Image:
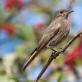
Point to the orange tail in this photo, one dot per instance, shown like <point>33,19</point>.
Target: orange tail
<point>34,54</point>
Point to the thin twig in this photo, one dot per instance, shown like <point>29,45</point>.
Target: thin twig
<point>71,41</point>
<point>55,54</point>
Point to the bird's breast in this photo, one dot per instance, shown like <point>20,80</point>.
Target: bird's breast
<point>61,35</point>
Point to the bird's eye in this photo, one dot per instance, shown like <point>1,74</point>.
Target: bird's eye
<point>61,12</point>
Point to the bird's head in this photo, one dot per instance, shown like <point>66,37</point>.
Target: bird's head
<point>63,13</point>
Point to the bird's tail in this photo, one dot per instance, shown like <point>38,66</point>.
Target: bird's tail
<point>34,54</point>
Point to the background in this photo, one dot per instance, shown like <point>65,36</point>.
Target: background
<point>21,25</point>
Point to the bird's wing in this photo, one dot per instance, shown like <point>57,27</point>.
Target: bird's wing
<point>61,35</point>
<point>49,33</point>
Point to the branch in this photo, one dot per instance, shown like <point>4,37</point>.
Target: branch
<point>55,54</point>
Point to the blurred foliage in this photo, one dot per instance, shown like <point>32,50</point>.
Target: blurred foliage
<point>2,15</point>
<point>24,31</point>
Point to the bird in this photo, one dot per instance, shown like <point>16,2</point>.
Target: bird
<point>54,34</point>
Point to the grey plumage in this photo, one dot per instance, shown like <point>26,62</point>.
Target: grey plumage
<point>59,29</point>
<point>55,33</point>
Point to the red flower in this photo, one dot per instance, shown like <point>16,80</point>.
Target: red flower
<point>10,28</point>
<point>11,4</point>
<point>75,54</point>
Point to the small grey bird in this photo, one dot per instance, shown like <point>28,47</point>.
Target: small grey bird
<point>56,32</point>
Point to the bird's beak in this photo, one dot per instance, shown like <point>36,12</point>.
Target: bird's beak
<point>70,11</point>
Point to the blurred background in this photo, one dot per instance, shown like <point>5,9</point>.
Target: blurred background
<point>21,25</point>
